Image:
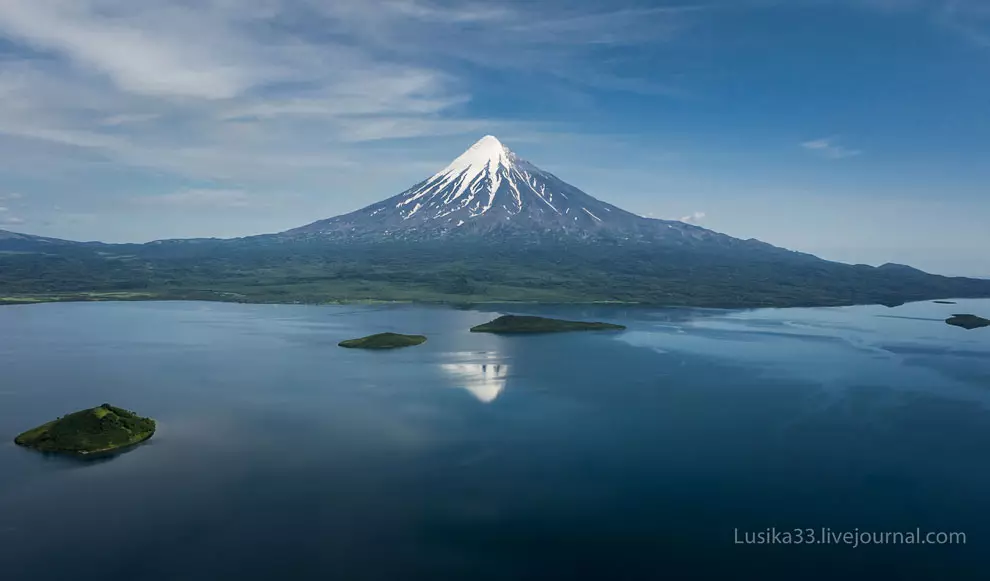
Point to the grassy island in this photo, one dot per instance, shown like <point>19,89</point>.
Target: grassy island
<point>520,324</point>
<point>968,321</point>
<point>384,341</point>
<point>101,429</point>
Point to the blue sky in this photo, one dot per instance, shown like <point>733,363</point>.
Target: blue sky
<point>857,130</point>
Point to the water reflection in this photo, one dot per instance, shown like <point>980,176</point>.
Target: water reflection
<point>484,380</point>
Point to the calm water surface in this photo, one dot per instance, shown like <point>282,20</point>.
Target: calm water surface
<point>634,455</point>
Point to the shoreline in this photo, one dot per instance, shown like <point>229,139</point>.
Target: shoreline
<point>86,453</point>
<point>93,297</point>
<point>120,448</point>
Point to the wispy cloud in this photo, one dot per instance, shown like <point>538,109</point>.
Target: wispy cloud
<point>830,148</point>
<point>199,198</point>
<point>263,89</point>
<point>468,13</point>
<point>11,196</point>
<point>693,218</point>
<point>968,18</point>
<point>11,221</point>
<point>158,49</point>
<point>116,120</point>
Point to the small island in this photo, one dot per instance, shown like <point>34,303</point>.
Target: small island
<point>384,341</point>
<point>944,302</point>
<point>519,324</point>
<point>969,322</point>
<point>92,431</point>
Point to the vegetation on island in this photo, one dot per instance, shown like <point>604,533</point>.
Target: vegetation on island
<point>526,324</point>
<point>100,429</point>
<point>384,341</point>
<point>969,322</point>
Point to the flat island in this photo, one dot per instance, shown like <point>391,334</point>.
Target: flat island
<point>944,302</point>
<point>968,321</point>
<point>518,324</point>
<point>384,341</point>
<point>101,429</point>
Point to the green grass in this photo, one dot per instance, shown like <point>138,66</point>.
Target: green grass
<point>398,272</point>
<point>518,324</point>
<point>101,429</point>
<point>22,300</point>
<point>384,341</point>
<point>118,296</point>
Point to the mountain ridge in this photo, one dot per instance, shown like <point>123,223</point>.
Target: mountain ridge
<point>490,226</point>
<point>489,189</point>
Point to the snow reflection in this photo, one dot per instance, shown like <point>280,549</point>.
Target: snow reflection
<point>485,380</point>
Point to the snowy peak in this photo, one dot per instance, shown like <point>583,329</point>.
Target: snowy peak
<point>486,189</point>
<point>487,154</point>
<point>480,169</point>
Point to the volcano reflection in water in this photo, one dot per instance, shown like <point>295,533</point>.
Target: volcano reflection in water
<point>484,380</point>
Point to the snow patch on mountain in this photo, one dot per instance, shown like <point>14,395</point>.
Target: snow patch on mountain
<point>488,188</point>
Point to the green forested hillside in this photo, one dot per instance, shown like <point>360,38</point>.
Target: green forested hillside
<point>313,272</point>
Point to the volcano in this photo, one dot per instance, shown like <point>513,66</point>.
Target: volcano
<point>489,227</point>
<point>491,192</point>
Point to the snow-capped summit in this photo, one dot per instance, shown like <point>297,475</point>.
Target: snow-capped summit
<point>490,189</point>
<point>488,152</point>
<point>489,185</point>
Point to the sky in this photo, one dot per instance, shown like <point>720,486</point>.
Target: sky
<point>857,130</point>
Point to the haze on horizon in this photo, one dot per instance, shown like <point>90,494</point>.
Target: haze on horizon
<point>855,130</point>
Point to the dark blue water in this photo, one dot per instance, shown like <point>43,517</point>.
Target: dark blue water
<point>638,455</point>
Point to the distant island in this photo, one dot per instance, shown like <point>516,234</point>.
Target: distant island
<point>944,302</point>
<point>92,431</point>
<point>518,324</point>
<point>384,341</point>
<point>968,321</point>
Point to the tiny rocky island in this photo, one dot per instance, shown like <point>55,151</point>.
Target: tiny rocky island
<point>944,302</point>
<point>968,321</point>
<point>509,324</point>
<point>384,341</point>
<point>92,431</point>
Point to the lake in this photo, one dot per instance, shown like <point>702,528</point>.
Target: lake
<point>644,454</point>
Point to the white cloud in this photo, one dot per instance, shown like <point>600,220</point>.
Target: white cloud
<point>827,147</point>
<point>11,221</point>
<point>260,90</point>
<point>462,14</point>
<point>11,196</point>
<point>693,218</point>
<point>115,120</point>
<point>199,198</point>
<point>157,49</point>
<point>968,18</point>
<point>76,217</point>
<point>207,93</point>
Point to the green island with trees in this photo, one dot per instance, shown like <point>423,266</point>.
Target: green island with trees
<point>969,322</point>
<point>96,430</point>
<point>524,324</point>
<point>384,341</point>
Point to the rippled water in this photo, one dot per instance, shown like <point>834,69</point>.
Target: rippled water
<point>639,454</point>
